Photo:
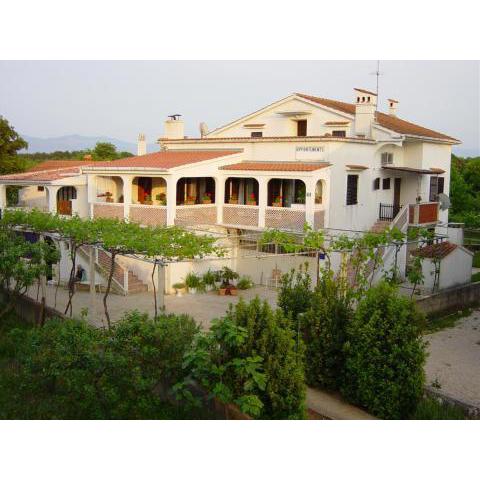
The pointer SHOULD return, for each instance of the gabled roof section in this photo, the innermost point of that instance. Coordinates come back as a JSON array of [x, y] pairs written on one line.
[[41, 177], [164, 160], [387, 121], [436, 250], [56, 164]]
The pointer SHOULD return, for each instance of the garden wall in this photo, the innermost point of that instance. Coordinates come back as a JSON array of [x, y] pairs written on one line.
[[29, 310], [451, 299]]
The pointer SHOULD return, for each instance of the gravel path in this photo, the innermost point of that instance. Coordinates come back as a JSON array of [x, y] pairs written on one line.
[[454, 359]]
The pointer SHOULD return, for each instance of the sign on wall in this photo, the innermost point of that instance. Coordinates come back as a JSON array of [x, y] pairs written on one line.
[[312, 152]]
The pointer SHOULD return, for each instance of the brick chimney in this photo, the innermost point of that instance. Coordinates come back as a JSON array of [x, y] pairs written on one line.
[[365, 108], [141, 145], [392, 107]]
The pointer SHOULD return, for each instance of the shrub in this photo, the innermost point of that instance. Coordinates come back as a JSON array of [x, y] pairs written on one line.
[[192, 280], [227, 275], [323, 329], [295, 293], [70, 370], [244, 283], [250, 358], [385, 354], [209, 278]]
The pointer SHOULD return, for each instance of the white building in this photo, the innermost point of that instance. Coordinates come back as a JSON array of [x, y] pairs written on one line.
[[331, 164]]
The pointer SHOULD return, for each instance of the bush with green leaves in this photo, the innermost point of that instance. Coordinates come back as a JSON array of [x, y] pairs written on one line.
[[323, 328], [244, 283], [70, 370], [385, 354], [295, 295], [250, 358]]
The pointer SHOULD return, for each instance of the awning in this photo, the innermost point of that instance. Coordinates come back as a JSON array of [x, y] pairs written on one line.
[[430, 171]]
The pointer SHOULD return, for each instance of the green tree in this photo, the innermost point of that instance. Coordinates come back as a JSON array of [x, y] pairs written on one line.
[[105, 151], [323, 328], [10, 143], [385, 354]]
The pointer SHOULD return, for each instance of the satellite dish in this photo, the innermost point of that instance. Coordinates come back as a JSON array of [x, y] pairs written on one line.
[[444, 201], [203, 129]]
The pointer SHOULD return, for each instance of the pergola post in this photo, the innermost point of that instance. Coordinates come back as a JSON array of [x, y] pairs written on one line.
[[127, 195], [160, 285], [52, 198], [310, 185], [171, 199]]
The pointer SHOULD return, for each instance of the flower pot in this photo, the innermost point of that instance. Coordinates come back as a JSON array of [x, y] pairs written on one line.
[[233, 291], [109, 200], [192, 290], [148, 202], [207, 201], [233, 202], [222, 291], [179, 293], [253, 203], [208, 288], [190, 202], [274, 204]]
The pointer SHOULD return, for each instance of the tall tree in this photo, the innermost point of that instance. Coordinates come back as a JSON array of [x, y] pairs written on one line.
[[105, 151], [10, 143]]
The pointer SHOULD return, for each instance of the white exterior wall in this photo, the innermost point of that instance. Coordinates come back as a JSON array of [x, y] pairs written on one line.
[[31, 197], [455, 269]]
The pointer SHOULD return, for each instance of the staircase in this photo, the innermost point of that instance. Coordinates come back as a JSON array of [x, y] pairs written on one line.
[[124, 281], [380, 226]]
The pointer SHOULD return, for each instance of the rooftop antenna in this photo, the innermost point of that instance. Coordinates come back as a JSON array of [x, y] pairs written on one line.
[[377, 73]]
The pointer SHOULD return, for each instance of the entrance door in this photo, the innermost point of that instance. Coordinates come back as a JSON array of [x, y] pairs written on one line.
[[144, 189], [396, 196]]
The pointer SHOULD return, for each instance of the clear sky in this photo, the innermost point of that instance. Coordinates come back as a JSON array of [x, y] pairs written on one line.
[[120, 99]]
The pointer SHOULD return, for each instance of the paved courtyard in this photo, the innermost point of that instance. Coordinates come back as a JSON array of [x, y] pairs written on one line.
[[202, 307], [454, 360]]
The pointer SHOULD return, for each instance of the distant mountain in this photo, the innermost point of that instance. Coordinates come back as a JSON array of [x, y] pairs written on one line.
[[78, 142]]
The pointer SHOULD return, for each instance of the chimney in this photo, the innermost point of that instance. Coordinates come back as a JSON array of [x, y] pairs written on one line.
[[365, 108], [174, 127], [392, 107], [141, 145]]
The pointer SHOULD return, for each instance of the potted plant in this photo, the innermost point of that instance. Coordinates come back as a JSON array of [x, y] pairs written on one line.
[[109, 197], [244, 283], [192, 281], [299, 200], [233, 200], [228, 277], [251, 199], [161, 199], [277, 202], [218, 278], [147, 200], [207, 198], [208, 279], [190, 200], [179, 288]]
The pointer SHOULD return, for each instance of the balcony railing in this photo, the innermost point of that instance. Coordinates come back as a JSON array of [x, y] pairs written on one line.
[[388, 211]]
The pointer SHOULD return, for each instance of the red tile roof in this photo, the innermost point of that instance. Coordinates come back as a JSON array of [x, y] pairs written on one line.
[[44, 176], [276, 166], [165, 160], [387, 121], [436, 250], [56, 164]]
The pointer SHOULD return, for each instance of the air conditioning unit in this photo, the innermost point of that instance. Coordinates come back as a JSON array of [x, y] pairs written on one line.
[[387, 158]]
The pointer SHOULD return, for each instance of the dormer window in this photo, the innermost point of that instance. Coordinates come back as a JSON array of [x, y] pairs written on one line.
[[256, 134], [301, 128]]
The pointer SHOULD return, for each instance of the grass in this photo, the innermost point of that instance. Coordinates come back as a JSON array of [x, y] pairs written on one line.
[[476, 259], [431, 409], [476, 277], [447, 321]]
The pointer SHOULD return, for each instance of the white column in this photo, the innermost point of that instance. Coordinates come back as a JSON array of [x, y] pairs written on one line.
[[91, 192], [310, 201], [262, 200], [171, 199], [220, 197], [127, 195], [52, 198], [3, 196]]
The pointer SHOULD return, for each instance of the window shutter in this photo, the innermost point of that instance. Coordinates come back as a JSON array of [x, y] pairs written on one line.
[[352, 189]]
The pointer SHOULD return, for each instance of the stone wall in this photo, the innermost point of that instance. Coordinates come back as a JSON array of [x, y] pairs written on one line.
[[451, 299]]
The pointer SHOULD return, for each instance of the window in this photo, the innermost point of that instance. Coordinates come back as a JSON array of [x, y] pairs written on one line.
[[387, 158], [40, 189], [301, 128], [339, 133], [256, 134], [386, 184], [376, 184], [437, 185], [352, 189]]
